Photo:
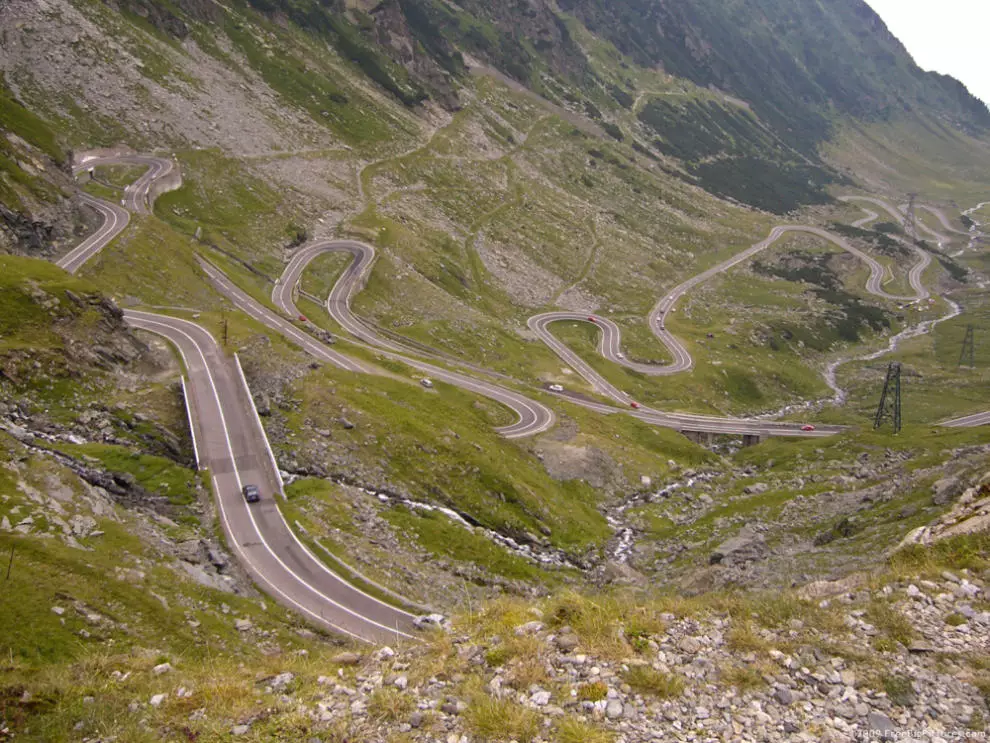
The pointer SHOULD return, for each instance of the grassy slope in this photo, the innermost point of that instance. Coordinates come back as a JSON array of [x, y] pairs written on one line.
[[940, 164], [126, 609]]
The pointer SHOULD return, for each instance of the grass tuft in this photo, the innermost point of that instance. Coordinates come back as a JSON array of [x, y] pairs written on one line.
[[572, 730], [501, 719], [648, 680]]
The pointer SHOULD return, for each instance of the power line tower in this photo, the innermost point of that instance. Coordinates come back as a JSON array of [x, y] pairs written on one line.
[[890, 401], [968, 355], [911, 218]]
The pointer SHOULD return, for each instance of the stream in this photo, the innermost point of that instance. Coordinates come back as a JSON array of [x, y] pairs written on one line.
[[616, 516], [533, 551], [922, 328]]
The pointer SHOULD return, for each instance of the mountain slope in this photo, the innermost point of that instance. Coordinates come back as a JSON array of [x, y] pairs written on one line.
[[794, 62]]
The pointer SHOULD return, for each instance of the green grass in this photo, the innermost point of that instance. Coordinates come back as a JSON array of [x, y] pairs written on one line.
[[891, 623], [24, 284], [157, 475], [118, 176], [235, 210], [152, 265], [968, 551], [916, 155], [38, 321], [934, 386], [647, 680], [442, 537], [317, 505], [501, 719], [442, 447], [27, 125], [744, 678], [390, 705], [323, 272], [899, 689]]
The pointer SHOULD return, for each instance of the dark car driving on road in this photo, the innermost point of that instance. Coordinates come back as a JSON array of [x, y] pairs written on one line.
[[251, 493]]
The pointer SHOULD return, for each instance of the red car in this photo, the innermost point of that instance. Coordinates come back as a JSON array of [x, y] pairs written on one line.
[[302, 318], [591, 319], [634, 405], [807, 427]]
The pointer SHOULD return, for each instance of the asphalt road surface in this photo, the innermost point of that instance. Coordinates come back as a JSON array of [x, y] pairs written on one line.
[[137, 196], [353, 278], [898, 216], [115, 219], [533, 417], [231, 445], [610, 340], [231, 442]]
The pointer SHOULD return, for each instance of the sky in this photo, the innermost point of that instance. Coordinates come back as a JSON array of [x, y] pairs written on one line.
[[948, 36]]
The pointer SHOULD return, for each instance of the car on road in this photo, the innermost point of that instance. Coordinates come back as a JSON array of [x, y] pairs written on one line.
[[556, 388], [302, 318], [592, 318], [251, 493], [807, 427], [428, 383], [634, 405], [619, 355]]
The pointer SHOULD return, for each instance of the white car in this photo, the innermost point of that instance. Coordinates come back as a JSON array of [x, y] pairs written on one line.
[[426, 383], [619, 355], [556, 388]]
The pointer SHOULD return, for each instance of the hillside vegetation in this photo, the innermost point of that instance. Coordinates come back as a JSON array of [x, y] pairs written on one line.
[[606, 580]]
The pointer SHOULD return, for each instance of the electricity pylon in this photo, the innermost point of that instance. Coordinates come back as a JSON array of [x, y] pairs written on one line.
[[890, 401], [910, 218], [968, 355]]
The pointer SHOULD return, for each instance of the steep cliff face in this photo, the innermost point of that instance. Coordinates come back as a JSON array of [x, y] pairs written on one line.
[[796, 62], [34, 181]]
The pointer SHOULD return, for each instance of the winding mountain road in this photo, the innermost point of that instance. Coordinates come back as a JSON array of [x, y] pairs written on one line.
[[533, 417], [353, 278], [231, 442], [115, 220], [231, 445], [610, 341], [138, 196]]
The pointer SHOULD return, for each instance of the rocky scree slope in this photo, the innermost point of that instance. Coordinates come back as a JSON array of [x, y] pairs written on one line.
[[786, 72], [36, 206]]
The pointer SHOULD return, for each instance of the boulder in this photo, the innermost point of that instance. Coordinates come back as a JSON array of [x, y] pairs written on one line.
[[946, 490], [746, 546]]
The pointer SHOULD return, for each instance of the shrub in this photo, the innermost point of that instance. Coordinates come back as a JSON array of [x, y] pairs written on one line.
[[890, 622], [744, 678], [899, 690], [743, 638]]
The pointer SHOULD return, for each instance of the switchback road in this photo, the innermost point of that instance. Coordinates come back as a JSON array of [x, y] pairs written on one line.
[[352, 280], [230, 439], [533, 416], [115, 219], [161, 174], [231, 444], [611, 336]]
